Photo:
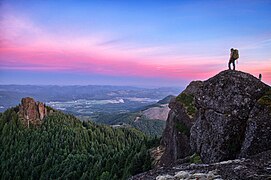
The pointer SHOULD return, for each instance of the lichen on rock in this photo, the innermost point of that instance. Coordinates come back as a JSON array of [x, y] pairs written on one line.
[[216, 116], [188, 102], [231, 120], [265, 100], [224, 104], [258, 127], [176, 135]]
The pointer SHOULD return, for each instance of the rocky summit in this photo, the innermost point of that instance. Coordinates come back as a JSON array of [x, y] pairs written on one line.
[[227, 117], [31, 112], [225, 107]]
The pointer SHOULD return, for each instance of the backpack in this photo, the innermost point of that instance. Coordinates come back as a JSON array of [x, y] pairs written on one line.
[[235, 54]]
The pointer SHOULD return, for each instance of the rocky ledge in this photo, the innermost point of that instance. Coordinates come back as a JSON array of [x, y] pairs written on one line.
[[257, 167]]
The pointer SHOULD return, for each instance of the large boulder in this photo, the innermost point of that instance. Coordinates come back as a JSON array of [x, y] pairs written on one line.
[[224, 106], [221, 118]]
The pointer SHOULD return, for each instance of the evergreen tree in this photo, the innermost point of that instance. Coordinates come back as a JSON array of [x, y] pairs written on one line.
[[63, 147]]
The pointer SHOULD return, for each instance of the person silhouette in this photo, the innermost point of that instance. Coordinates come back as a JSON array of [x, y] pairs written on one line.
[[260, 77], [233, 56]]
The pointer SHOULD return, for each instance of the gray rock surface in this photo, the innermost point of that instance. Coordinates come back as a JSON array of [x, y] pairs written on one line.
[[224, 105], [220, 119], [176, 135], [257, 167], [258, 128]]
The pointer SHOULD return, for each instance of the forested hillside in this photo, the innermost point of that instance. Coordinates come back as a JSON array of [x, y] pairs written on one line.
[[147, 126], [146, 119], [64, 147]]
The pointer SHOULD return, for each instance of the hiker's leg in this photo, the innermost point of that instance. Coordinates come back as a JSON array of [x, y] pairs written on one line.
[[229, 64], [233, 63]]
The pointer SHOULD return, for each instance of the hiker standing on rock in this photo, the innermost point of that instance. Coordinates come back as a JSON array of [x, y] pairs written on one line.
[[234, 56]]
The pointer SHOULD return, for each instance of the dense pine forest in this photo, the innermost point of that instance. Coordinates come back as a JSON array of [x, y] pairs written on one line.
[[63, 147], [149, 126]]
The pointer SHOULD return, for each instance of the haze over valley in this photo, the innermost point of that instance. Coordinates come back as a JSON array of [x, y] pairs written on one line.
[[114, 105], [85, 100]]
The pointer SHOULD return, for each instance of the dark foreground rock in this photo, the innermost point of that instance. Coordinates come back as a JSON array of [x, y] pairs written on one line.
[[257, 167], [258, 130], [225, 104], [225, 122], [225, 117], [176, 136]]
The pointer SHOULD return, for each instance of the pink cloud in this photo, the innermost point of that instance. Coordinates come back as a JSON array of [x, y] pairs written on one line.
[[67, 61], [26, 46]]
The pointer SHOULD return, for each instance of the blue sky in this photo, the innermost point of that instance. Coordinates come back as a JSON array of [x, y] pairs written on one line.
[[144, 43]]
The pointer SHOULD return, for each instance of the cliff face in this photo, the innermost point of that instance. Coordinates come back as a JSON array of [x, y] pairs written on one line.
[[224, 117], [225, 122], [175, 139], [31, 112], [258, 129]]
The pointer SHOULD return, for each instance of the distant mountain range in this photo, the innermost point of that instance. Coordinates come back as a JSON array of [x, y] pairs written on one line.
[[80, 99], [114, 105]]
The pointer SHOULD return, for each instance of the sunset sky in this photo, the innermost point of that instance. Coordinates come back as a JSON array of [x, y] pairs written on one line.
[[138, 43]]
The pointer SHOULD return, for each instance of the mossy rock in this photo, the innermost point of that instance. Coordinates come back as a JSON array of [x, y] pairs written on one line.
[[265, 100], [187, 100], [195, 158]]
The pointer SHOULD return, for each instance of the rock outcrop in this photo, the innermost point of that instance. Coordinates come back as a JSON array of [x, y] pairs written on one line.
[[224, 105], [222, 118], [225, 122], [258, 129], [31, 112], [175, 139]]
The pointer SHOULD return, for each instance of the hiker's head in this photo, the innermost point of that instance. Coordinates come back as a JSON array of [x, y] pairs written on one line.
[[231, 49]]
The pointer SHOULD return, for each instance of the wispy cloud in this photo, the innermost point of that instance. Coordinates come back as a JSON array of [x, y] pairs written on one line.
[[29, 46], [110, 42]]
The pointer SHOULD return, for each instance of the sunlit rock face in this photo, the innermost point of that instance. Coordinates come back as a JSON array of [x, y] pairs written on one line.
[[31, 112]]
